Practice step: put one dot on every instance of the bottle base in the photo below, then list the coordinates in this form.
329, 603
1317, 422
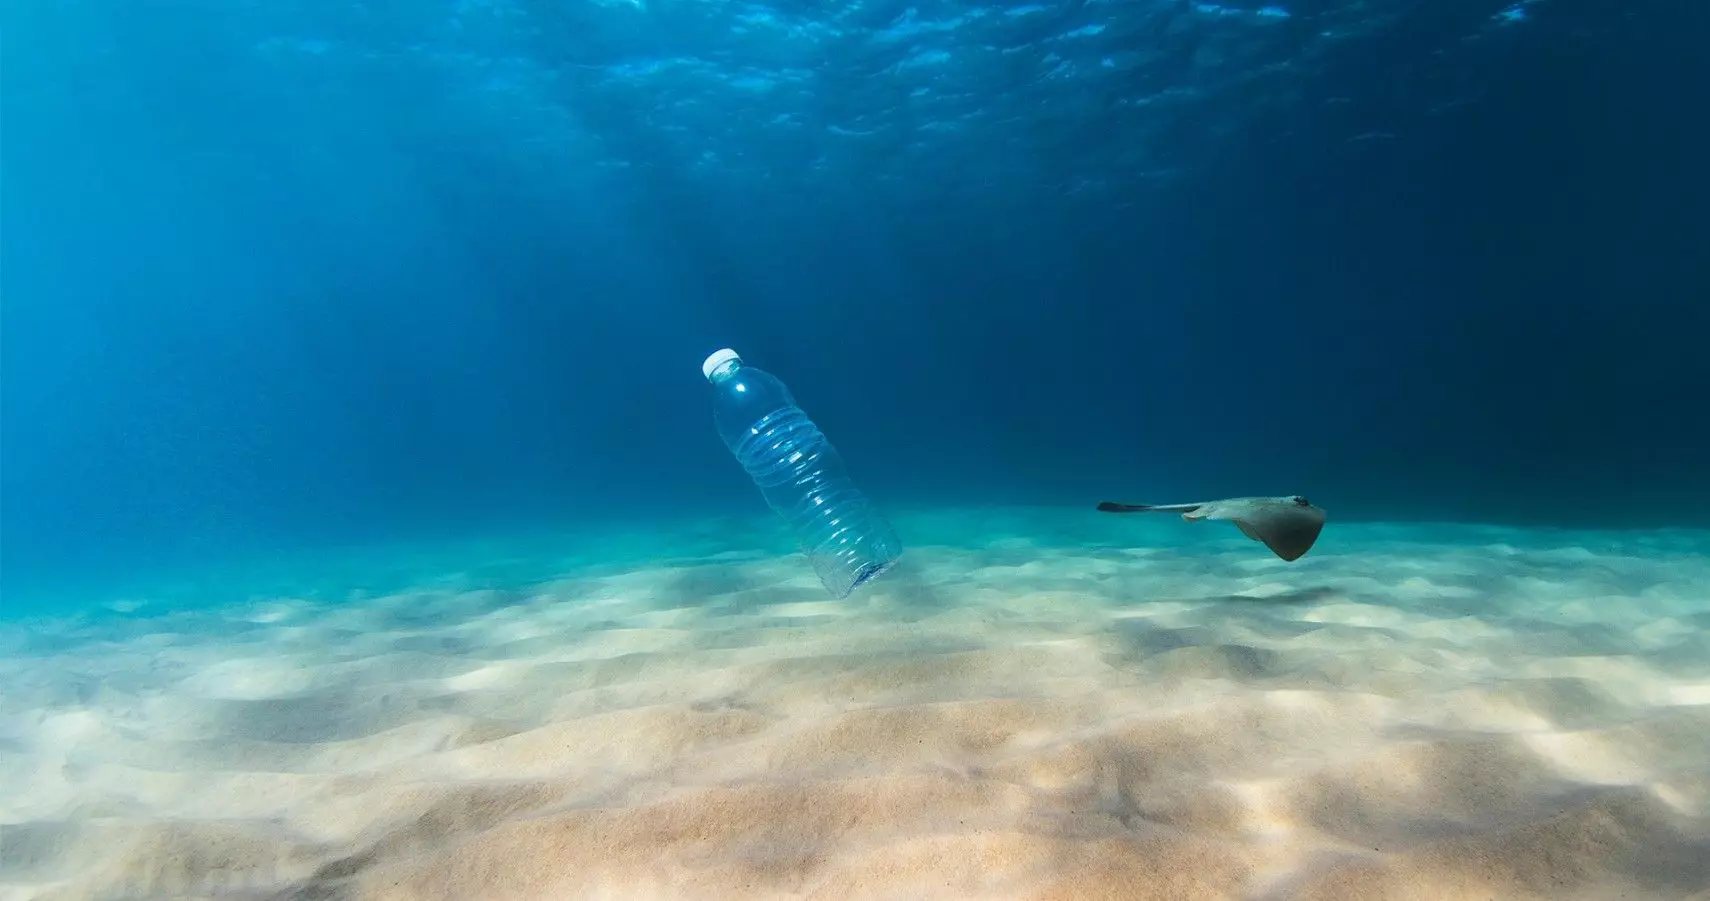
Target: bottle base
868, 573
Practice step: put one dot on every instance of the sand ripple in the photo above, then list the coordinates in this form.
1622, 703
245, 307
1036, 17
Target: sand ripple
1400, 716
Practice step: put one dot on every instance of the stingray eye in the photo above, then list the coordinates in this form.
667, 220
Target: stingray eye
1301, 501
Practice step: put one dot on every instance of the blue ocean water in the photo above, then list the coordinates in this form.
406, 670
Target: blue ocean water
358, 476
293, 276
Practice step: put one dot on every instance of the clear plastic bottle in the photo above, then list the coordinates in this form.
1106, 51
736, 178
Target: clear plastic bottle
846, 538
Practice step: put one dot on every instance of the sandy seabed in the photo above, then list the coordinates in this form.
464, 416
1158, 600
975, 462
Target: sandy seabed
1433, 713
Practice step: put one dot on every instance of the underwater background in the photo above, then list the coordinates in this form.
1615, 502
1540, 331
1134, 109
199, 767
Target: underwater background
281, 277
365, 534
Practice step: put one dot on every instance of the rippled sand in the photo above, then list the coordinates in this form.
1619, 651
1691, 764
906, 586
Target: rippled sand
1406, 713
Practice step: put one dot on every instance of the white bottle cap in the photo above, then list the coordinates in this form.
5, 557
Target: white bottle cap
718, 358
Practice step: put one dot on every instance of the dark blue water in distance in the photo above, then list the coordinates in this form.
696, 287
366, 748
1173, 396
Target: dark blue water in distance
286, 276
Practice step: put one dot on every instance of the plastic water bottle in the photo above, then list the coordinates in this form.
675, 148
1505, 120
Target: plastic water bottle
801, 475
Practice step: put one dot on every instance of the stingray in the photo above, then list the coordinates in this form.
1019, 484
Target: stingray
1286, 525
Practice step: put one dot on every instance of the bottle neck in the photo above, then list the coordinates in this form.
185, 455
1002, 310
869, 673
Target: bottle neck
725, 371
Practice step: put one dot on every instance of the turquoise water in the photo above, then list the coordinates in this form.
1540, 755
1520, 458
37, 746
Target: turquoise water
365, 534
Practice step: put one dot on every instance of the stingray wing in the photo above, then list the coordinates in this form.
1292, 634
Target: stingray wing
1288, 531
1248, 530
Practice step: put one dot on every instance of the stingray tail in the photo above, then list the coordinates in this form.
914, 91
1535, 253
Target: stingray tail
1112, 507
